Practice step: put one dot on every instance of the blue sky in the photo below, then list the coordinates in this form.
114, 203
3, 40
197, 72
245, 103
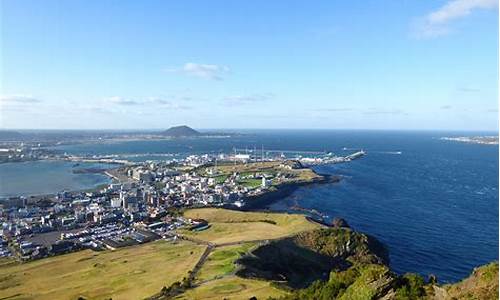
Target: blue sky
249, 64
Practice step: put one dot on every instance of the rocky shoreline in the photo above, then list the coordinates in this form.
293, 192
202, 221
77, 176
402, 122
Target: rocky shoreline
262, 201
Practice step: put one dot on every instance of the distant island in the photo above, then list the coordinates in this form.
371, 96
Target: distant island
485, 140
180, 131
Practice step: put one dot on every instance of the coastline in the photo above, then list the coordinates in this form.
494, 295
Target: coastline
262, 201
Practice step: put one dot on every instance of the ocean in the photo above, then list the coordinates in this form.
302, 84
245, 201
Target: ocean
434, 203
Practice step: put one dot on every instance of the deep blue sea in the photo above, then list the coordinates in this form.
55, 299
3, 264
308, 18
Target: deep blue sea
434, 203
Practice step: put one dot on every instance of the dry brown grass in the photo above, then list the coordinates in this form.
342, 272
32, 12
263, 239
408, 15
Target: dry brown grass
130, 273
234, 226
482, 284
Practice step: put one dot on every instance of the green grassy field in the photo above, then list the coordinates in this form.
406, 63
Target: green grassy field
251, 183
234, 288
221, 178
129, 273
221, 261
229, 226
269, 168
248, 168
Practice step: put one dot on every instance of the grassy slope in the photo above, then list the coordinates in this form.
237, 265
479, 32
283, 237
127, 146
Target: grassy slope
222, 261
371, 279
234, 226
481, 284
129, 273
233, 287
218, 282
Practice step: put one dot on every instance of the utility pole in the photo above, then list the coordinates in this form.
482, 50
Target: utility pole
262, 154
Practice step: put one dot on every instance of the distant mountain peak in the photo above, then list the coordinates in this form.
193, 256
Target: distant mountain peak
178, 131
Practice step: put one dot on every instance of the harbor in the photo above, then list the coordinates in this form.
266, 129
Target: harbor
306, 158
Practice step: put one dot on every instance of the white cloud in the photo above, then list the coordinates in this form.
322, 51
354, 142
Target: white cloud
238, 100
468, 89
367, 111
341, 109
377, 111
436, 23
121, 101
163, 103
205, 71
18, 99
147, 102
92, 109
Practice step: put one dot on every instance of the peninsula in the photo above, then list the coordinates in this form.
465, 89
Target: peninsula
484, 140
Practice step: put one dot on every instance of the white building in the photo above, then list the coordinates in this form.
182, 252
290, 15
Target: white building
116, 202
266, 182
186, 188
242, 157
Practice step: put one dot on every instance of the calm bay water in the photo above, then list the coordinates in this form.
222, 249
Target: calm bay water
46, 177
435, 204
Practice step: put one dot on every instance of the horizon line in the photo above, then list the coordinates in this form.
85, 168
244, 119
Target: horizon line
249, 128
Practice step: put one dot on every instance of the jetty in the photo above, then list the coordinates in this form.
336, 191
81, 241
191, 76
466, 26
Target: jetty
355, 155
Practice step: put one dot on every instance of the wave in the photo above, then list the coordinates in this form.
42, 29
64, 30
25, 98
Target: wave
389, 152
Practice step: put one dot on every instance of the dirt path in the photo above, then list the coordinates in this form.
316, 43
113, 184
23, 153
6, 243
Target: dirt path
199, 264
